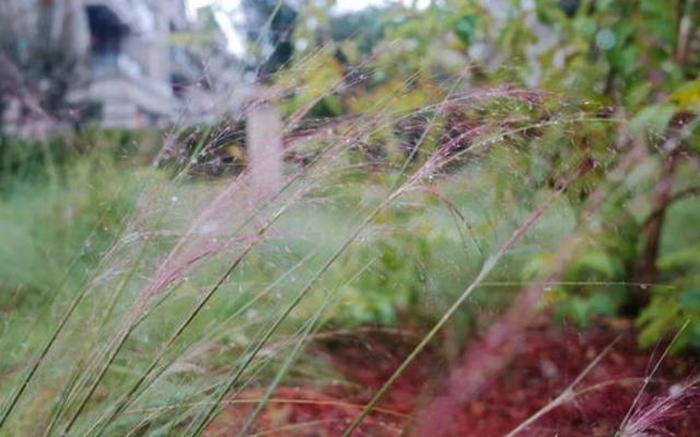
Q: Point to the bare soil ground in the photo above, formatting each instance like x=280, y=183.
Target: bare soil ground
x=544, y=366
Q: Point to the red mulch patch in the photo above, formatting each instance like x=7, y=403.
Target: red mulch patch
x=546, y=364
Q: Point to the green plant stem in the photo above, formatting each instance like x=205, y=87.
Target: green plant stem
x=311, y=324
x=52, y=339
x=487, y=267
x=565, y=395
x=396, y=191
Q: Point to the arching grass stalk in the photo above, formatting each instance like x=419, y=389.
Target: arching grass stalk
x=424, y=135
x=125, y=400
x=398, y=189
x=569, y=393
x=254, y=373
x=260, y=205
x=565, y=395
x=237, y=372
x=125, y=332
x=148, y=376
x=460, y=219
x=486, y=268
x=78, y=371
x=80, y=376
x=150, y=381
x=118, y=342
x=311, y=325
x=121, y=337
x=14, y=398
x=17, y=394
x=293, y=401
x=521, y=310
x=647, y=379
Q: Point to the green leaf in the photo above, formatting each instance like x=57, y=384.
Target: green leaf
x=538, y=264
x=465, y=28
x=687, y=96
x=652, y=120
x=601, y=303
x=596, y=261
x=690, y=300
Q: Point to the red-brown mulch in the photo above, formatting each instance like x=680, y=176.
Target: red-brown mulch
x=546, y=364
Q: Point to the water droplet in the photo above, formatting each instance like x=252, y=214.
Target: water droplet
x=605, y=39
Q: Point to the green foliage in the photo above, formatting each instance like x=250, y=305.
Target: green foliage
x=679, y=262
x=377, y=231
x=465, y=28
x=603, y=53
x=395, y=278
x=61, y=199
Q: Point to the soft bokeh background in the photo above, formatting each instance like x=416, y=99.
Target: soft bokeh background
x=199, y=199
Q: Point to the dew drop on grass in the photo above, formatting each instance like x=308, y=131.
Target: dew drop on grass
x=675, y=390
x=605, y=39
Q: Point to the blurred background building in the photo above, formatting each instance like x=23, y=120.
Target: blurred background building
x=122, y=63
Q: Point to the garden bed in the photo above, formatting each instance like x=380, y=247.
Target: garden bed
x=545, y=365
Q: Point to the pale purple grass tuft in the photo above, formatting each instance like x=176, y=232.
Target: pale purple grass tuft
x=649, y=418
x=210, y=233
